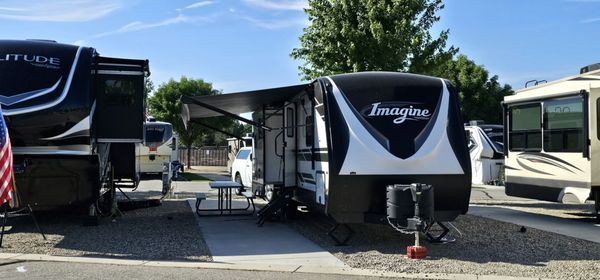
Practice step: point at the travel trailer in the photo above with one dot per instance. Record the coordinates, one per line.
(159, 146)
(74, 118)
(338, 142)
(487, 158)
(552, 140)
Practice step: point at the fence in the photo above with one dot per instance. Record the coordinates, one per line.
(205, 156)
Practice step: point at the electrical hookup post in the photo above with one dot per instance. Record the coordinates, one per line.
(409, 210)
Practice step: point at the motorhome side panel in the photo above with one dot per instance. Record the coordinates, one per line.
(546, 147)
(594, 135)
(394, 129)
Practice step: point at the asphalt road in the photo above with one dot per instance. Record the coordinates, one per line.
(60, 271)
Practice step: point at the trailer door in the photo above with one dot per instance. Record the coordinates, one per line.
(290, 145)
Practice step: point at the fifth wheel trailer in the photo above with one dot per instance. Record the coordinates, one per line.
(339, 141)
(487, 158)
(552, 140)
(73, 117)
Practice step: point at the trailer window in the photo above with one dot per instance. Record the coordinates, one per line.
(563, 125)
(120, 92)
(309, 131)
(525, 131)
(290, 122)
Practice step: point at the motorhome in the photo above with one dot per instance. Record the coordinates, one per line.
(73, 117)
(159, 146)
(552, 139)
(338, 142)
(487, 153)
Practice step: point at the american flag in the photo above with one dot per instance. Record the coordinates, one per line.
(6, 165)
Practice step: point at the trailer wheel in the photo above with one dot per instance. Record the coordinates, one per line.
(238, 179)
(271, 193)
(291, 210)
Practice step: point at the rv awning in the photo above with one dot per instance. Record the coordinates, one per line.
(232, 104)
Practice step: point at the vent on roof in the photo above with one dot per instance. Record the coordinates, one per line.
(589, 68)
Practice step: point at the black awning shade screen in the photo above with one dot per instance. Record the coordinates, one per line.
(198, 107)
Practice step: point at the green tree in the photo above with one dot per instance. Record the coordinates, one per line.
(148, 89)
(371, 35)
(165, 105)
(480, 95)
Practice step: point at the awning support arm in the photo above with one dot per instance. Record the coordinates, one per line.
(228, 114)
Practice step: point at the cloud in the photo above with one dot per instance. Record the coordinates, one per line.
(199, 4)
(139, 25)
(590, 20)
(58, 10)
(295, 5)
(276, 23)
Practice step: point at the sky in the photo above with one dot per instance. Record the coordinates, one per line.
(241, 45)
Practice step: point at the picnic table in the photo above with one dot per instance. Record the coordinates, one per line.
(225, 190)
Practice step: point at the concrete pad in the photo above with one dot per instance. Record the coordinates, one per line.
(237, 239)
(566, 227)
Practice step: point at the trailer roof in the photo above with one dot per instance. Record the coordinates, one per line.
(199, 107)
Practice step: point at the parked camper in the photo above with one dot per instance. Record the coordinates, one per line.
(74, 118)
(487, 158)
(338, 142)
(552, 140)
(159, 146)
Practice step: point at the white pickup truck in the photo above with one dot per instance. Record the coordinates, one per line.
(241, 169)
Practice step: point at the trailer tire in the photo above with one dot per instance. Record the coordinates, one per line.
(270, 193)
(238, 179)
(291, 210)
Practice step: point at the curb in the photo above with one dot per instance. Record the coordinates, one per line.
(255, 267)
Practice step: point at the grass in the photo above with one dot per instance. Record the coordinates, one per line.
(193, 177)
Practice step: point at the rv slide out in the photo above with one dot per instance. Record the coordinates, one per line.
(338, 142)
(552, 140)
(74, 118)
(487, 158)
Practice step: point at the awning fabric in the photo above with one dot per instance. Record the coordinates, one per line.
(236, 103)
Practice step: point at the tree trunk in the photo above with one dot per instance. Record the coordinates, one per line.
(189, 157)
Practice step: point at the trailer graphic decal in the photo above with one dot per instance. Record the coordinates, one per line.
(403, 110)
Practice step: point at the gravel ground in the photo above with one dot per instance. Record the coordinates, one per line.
(487, 247)
(165, 232)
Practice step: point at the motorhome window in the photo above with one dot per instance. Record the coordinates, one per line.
(289, 126)
(243, 154)
(563, 125)
(155, 134)
(525, 128)
(598, 118)
(120, 92)
(309, 131)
